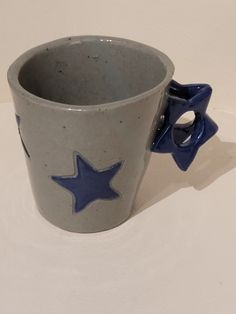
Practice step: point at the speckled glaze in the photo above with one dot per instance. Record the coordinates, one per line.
(87, 105)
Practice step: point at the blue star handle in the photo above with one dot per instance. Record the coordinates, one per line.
(184, 140)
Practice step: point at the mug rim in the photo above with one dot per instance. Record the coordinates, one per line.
(16, 66)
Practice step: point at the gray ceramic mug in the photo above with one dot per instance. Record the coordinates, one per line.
(90, 109)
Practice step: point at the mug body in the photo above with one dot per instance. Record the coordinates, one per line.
(87, 110)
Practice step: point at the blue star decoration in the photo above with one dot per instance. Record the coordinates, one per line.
(18, 120)
(184, 140)
(89, 184)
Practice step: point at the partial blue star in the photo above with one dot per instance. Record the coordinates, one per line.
(89, 184)
(22, 142)
(171, 137)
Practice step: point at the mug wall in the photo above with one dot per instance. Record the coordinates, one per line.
(53, 136)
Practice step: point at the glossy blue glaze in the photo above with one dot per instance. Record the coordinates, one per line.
(172, 137)
(89, 184)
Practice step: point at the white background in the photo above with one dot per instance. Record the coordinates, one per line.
(177, 255)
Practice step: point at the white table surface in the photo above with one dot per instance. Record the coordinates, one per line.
(177, 255)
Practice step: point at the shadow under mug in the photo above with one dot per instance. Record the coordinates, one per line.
(90, 110)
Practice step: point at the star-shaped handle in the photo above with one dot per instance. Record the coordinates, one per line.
(184, 140)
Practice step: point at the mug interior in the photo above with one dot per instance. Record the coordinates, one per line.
(91, 72)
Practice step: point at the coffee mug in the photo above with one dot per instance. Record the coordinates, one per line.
(90, 110)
